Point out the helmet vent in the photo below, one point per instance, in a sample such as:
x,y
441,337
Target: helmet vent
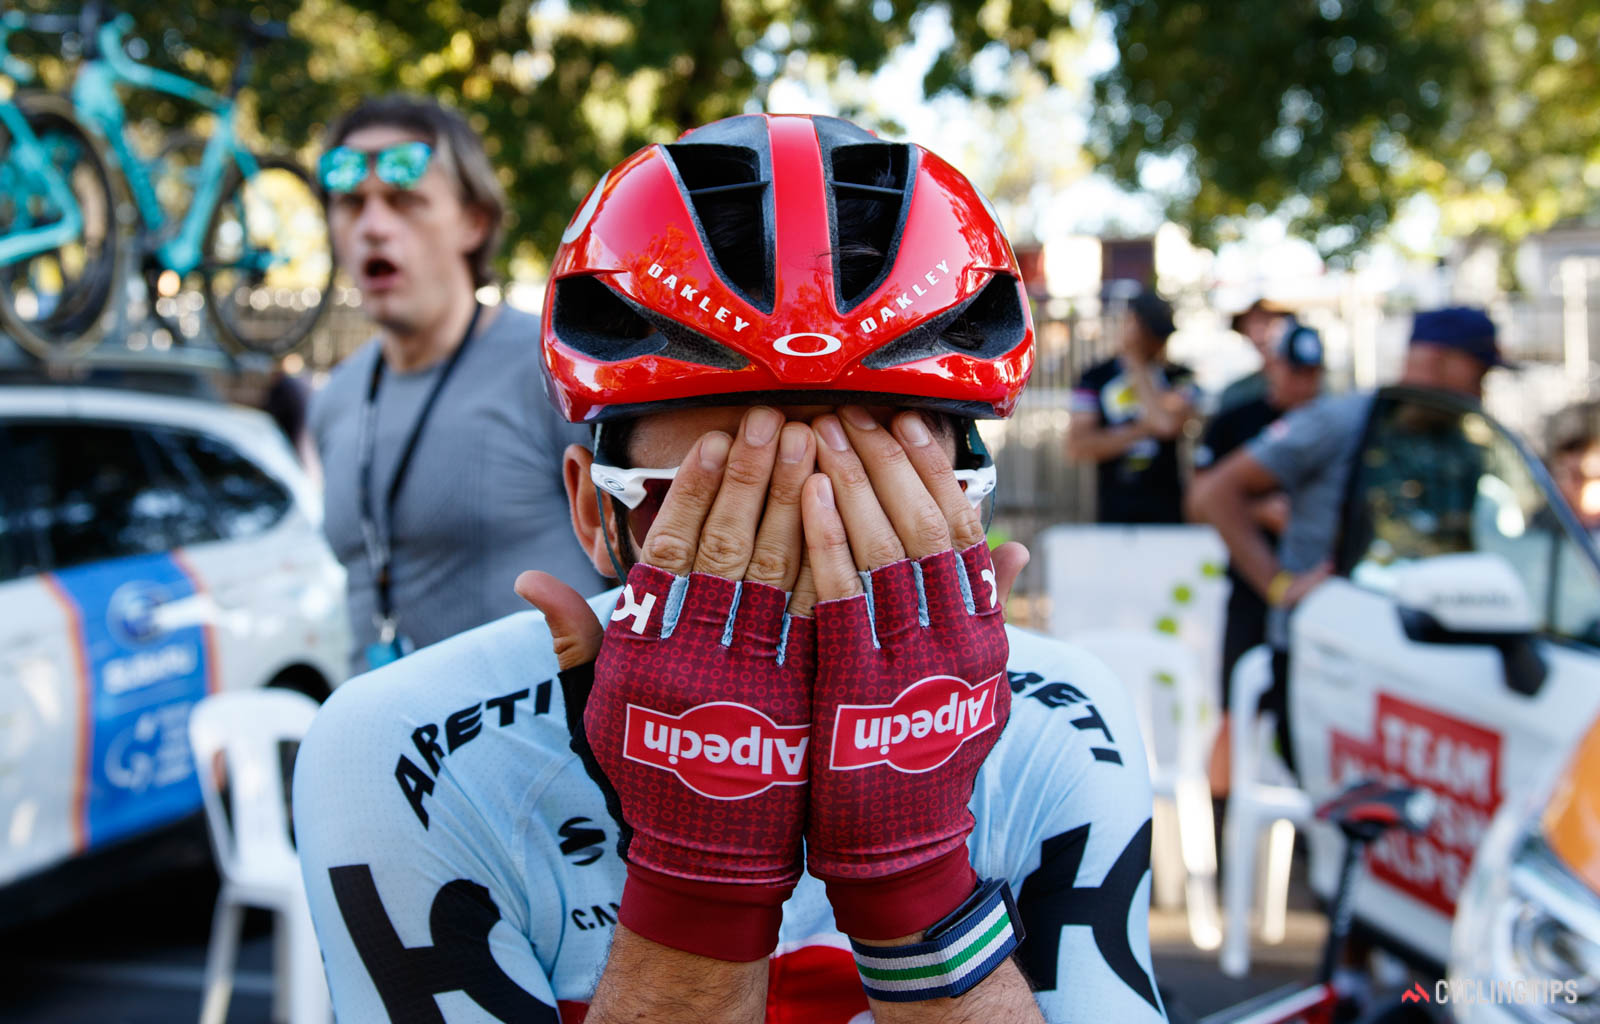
x,y
869,184
988,326
593,319
727,192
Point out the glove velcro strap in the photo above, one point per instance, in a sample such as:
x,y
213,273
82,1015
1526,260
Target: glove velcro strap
x,y
726,922
958,952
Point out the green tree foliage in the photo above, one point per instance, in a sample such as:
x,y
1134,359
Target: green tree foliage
x,y
1309,107
565,88
1331,112
1334,112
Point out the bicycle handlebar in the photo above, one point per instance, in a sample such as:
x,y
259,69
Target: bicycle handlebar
x,y
109,34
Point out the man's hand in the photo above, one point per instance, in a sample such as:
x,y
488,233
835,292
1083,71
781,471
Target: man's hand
x,y
891,844
1304,583
910,693
699,715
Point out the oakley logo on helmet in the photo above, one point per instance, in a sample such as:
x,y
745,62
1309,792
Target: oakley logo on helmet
x,y
904,300
721,750
920,731
688,292
631,606
830,344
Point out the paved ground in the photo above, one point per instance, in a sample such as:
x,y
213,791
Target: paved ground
x,y
136,958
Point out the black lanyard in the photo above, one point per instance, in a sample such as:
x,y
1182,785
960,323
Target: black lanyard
x,y
380,555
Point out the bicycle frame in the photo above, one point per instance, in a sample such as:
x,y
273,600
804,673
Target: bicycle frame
x,y
94,94
1314,1003
28,156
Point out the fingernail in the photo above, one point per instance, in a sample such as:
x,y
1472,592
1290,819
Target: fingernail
x,y
832,434
760,425
859,417
714,451
825,489
915,430
792,446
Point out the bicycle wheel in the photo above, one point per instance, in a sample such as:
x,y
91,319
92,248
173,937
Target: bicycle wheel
x,y
267,262
56,303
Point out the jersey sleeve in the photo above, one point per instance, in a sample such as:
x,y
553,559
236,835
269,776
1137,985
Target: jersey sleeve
x,y
417,900
1078,858
1305,441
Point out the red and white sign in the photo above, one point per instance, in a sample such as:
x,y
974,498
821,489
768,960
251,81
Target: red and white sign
x,y
721,750
1458,762
920,731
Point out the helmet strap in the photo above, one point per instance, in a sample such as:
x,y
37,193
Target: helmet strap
x,y
621,520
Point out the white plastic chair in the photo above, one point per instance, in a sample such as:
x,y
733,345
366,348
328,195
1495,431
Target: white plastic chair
x,y
1261,797
254,855
1177,718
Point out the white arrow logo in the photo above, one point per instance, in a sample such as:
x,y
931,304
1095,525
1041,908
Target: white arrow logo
x,y
988,577
639,610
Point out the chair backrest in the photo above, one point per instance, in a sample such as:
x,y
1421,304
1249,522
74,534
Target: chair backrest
x,y
1158,578
247,728
1159,671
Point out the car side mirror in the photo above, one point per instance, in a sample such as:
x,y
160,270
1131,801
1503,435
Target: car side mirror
x,y
1474,598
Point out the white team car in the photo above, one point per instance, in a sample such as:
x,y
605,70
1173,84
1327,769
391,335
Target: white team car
x,y
152,550
1458,650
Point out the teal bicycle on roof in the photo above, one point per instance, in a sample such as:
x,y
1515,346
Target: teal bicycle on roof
x,y
58,245
254,229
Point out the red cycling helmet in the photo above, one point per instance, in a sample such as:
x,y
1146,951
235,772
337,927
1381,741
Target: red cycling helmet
x,y
784,258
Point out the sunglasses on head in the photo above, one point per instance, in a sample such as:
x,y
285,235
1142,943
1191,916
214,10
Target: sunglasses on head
x,y
342,168
642,491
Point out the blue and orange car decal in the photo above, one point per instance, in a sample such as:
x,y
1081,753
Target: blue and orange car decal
x,y
138,678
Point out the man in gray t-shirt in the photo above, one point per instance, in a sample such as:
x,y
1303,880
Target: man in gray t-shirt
x,y
1309,454
441,454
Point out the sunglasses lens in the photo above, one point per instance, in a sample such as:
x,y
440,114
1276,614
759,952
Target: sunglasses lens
x,y
342,169
404,165
642,518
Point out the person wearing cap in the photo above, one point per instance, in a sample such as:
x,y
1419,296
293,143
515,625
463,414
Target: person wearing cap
x,y
1262,323
1127,414
1293,373
1307,454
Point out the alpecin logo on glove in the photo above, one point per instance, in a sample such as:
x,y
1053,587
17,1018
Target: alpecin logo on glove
x,y
920,731
721,750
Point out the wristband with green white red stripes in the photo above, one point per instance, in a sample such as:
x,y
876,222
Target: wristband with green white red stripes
x,y
956,953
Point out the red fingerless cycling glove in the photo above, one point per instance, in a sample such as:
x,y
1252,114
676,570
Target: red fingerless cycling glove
x,y
704,736
910,697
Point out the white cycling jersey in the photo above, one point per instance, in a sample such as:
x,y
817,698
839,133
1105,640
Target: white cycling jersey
x,y
461,866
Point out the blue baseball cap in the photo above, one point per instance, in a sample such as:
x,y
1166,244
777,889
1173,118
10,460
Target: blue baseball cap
x,y
1301,347
1464,328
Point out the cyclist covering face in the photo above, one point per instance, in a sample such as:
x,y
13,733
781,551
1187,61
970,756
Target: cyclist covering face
x,y
816,776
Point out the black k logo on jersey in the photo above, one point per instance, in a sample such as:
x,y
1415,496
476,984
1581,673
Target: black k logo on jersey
x,y
581,841
408,977
1049,901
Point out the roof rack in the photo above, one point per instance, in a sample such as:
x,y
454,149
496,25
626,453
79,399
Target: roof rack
x,y
180,370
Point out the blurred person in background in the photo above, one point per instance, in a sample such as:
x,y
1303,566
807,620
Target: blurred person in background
x,y
1574,462
1294,375
285,400
1127,415
1307,455
440,453
1262,323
